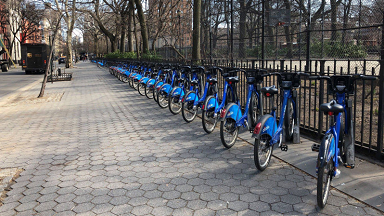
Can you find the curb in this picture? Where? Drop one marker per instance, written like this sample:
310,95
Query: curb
18,92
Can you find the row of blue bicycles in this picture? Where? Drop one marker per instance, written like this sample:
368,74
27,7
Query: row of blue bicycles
188,89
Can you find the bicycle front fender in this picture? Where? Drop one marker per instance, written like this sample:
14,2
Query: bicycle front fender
266,124
158,85
137,77
212,104
326,151
191,97
144,80
177,91
166,88
151,82
232,111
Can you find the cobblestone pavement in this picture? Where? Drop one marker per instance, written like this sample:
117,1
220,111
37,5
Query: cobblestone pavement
105,150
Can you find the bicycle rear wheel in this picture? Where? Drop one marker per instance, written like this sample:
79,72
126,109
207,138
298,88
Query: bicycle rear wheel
228,132
262,152
324,178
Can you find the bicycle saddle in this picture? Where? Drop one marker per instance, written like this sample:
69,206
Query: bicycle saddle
212,80
251,80
232,79
271,90
181,79
332,107
194,82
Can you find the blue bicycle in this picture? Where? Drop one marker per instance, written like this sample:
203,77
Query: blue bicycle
194,99
268,131
232,117
150,85
178,92
166,88
144,79
338,143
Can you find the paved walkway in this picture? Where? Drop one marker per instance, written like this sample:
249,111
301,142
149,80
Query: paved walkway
95,147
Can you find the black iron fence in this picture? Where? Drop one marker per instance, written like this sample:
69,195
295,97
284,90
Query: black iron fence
367,110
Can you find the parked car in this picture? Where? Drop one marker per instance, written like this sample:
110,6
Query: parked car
62,60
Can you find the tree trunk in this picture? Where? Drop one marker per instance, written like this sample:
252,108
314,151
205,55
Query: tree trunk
333,21
96,39
122,38
68,60
196,30
243,17
143,25
288,36
130,22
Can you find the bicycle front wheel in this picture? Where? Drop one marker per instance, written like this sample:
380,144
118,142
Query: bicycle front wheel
228,132
162,99
187,110
141,89
262,152
174,104
148,92
253,110
208,117
289,121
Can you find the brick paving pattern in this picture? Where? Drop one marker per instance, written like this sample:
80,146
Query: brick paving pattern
105,150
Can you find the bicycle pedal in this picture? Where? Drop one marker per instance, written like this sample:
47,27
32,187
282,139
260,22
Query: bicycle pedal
284,147
315,147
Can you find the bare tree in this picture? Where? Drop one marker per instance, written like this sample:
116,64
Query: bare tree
196,55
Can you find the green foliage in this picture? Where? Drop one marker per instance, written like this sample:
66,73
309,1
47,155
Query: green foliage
334,50
338,50
151,56
122,55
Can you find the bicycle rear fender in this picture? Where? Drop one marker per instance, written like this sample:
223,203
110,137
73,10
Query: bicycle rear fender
326,151
191,97
232,111
266,124
212,104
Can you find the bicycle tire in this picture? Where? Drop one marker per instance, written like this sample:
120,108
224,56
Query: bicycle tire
228,127
162,98
141,89
187,108
259,148
206,116
253,110
154,92
289,120
174,102
324,178
148,92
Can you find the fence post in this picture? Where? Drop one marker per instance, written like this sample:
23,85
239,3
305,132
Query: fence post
308,68
380,129
321,97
